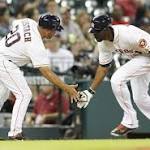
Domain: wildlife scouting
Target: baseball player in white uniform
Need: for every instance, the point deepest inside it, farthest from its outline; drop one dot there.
(134, 43)
(21, 46)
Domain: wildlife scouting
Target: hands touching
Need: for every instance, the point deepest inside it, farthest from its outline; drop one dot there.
(82, 98)
(85, 97)
(72, 92)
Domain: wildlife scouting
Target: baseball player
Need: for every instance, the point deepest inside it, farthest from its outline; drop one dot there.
(134, 43)
(23, 45)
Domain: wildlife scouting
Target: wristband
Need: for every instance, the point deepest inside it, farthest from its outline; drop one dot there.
(91, 91)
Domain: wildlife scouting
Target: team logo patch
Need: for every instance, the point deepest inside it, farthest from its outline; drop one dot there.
(142, 43)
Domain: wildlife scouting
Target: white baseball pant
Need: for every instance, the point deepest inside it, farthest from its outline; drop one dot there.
(137, 71)
(12, 79)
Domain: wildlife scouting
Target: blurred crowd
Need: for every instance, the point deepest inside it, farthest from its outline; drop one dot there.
(74, 48)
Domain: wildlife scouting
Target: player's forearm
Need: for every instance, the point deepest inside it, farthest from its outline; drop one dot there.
(53, 78)
(100, 74)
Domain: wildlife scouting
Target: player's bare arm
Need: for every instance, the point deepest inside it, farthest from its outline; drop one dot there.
(86, 95)
(53, 78)
(100, 74)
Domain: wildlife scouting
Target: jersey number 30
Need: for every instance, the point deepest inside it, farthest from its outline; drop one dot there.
(12, 37)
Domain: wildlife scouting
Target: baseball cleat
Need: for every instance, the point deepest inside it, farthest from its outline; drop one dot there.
(121, 130)
(19, 136)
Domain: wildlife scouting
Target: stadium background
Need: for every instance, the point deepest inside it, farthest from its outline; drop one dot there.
(103, 113)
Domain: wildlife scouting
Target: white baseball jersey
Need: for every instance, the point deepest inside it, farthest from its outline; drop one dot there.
(128, 40)
(134, 43)
(24, 44)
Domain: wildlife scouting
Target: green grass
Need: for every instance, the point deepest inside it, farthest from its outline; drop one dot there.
(76, 145)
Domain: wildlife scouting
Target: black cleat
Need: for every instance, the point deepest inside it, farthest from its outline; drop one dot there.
(19, 136)
(121, 130)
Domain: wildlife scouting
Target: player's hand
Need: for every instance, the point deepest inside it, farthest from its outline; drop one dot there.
(74, 95)
(85, 97)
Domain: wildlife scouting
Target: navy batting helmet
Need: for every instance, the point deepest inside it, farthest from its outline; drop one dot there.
(99, 23)
(49, 21)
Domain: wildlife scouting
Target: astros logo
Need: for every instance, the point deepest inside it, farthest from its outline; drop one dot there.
(142, 43)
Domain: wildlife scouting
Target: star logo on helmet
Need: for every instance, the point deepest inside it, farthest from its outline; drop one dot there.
(142, 43)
